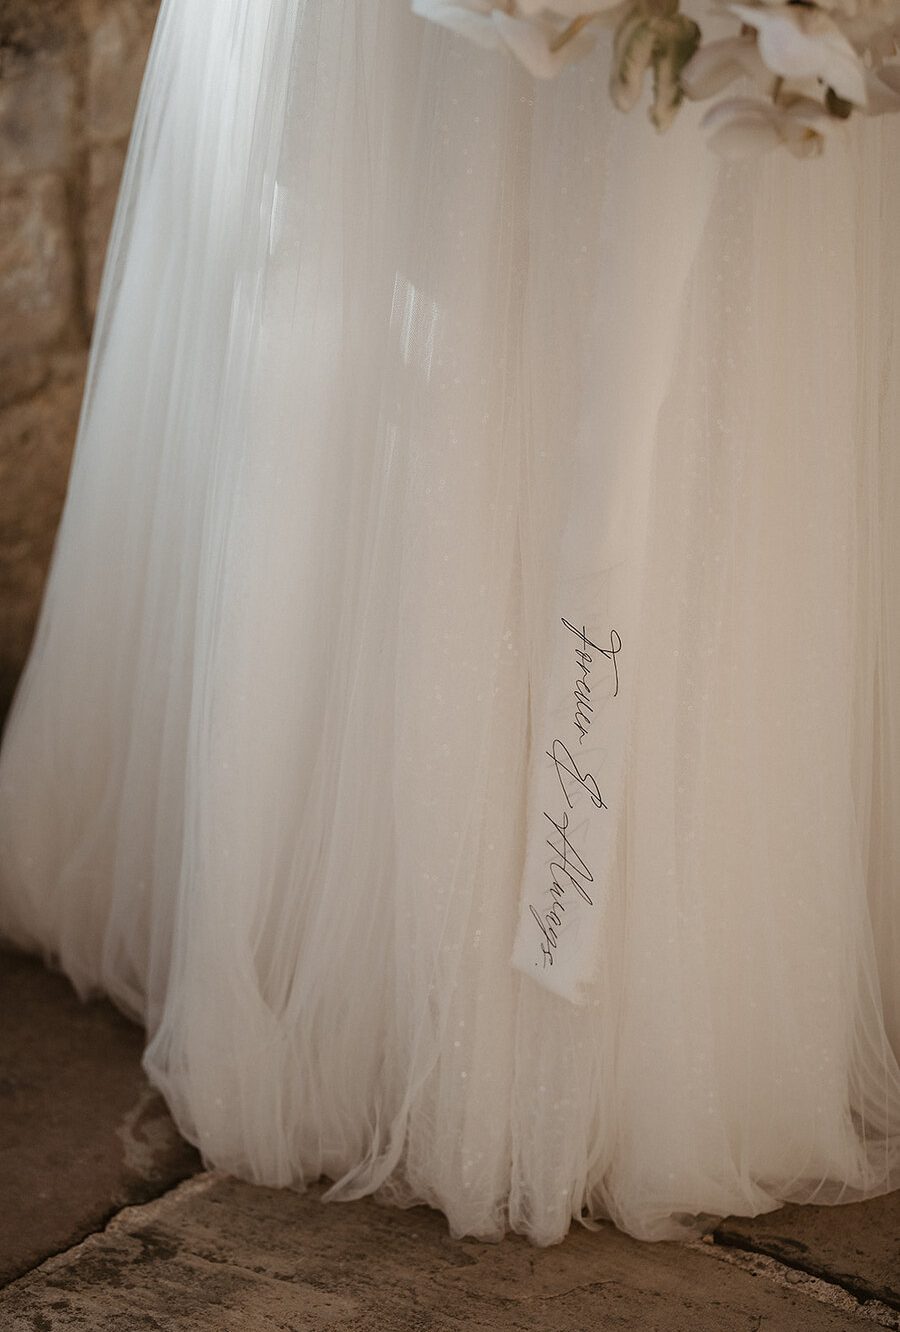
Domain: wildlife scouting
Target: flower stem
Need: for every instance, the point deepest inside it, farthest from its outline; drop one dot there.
(571, 30)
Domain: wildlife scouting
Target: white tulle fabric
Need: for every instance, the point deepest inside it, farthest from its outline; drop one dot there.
(379, 311)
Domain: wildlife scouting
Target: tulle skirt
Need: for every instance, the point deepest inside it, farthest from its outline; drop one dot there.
(463, 722)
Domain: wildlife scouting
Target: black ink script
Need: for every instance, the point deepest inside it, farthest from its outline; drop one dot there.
(569, 872)
(584, 708)
(564, 762)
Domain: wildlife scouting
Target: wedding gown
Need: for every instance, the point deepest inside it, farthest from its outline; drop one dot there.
(463, 722)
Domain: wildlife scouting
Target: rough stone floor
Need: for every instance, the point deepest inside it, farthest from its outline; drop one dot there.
(108, 1223)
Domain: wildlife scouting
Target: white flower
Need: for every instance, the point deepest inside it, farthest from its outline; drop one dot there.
(557, 9)
(812, 62)
(543, 37)
(801, 42)
(472, 19)
(883, 90)
(745, 127)
(716, 64)
(533, 42)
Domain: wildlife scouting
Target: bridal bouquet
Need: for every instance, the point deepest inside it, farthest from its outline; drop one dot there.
(810, 64)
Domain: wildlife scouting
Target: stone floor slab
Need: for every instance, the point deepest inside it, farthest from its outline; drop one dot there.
(856, 1245)
(81, 1131)
(217, 1255)
(82, 1135)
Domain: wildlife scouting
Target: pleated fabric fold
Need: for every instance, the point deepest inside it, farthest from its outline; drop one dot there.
(401, 360)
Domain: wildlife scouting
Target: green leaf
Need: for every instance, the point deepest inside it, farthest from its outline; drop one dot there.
(676, 41)
(632, 53)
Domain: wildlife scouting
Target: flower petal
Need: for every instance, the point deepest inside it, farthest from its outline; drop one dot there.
(531, 42)
(743, 126)
(716, 64)
(561, 9)
(890, 74)
(743, 134)
(883, 88)
(470, 20)
(800, 41)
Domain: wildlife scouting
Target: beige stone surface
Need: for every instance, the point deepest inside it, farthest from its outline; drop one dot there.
(118, 37)
(37, 433)
(81, 1132)
(36, 262)
(36, 31)
(37, 120)
(217, 1255)
(856, 1244)
(104, 174)
(22, 375)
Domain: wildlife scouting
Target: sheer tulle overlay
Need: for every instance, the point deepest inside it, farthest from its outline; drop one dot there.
(402, 360)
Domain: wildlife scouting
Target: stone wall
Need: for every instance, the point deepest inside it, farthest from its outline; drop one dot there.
(70, 71)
